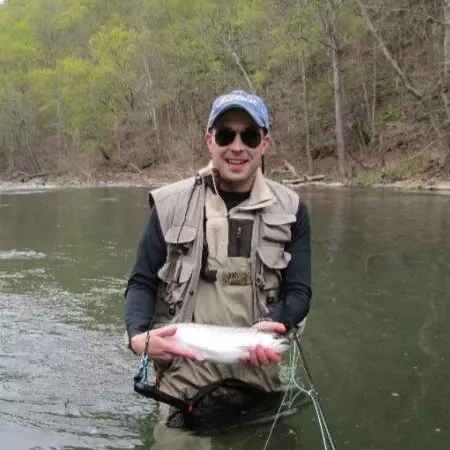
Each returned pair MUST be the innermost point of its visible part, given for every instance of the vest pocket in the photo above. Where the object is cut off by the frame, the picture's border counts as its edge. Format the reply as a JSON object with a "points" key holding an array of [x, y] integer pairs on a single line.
{"points": [[274, 257], [180, 235], [273, 260], [175, 278], [276, 227], [175, 274], [275, 231]]}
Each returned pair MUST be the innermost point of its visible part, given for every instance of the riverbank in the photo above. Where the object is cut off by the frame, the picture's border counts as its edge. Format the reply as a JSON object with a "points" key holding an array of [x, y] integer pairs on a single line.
{"points": [[425, 179], [128, 178]]}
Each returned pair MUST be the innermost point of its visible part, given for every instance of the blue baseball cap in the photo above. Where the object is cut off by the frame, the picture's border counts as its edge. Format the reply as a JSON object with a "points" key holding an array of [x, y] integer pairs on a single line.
{"points": [[250, 103]]}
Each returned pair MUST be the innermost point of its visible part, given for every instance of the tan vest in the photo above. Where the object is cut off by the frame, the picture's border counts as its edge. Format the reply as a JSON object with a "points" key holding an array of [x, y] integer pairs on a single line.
{"points": [[245, 285]]}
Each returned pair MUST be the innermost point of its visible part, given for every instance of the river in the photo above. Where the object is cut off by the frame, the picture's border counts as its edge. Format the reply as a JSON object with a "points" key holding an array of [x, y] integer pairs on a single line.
{"points": [[376, 342]]}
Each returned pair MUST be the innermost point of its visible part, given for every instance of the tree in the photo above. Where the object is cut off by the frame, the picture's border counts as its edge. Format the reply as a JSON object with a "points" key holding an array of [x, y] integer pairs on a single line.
{"points": [[446, 73], [427, 93]]}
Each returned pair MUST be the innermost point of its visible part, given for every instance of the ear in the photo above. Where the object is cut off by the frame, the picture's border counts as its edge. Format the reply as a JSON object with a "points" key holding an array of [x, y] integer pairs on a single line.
{"points": [[209, 140], [265, 144]]}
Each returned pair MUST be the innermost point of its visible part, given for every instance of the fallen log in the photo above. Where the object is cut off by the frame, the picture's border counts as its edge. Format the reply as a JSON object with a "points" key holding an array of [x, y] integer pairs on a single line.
{"points": [[279, 172], [305, 179], [31, 176], [134, 167]]}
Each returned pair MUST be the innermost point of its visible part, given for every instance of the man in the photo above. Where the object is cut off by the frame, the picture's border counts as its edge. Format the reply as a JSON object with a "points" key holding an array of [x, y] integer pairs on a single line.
{"points": [[226, 247]]}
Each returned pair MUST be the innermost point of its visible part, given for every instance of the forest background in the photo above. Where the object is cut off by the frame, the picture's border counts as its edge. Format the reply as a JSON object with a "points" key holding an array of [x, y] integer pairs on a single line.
{"points": [[102, 89]]}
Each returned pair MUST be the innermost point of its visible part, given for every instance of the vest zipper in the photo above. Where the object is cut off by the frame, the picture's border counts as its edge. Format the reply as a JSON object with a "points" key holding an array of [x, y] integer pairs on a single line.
{"points": [[238, 238]]}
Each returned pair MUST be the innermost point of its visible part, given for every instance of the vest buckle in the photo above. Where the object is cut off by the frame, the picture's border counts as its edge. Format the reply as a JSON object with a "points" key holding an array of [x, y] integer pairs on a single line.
{"points": [[270, 300]]}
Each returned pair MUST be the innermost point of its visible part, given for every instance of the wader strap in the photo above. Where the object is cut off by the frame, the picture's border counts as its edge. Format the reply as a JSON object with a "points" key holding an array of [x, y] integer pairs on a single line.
{"points": [[153, 391], [230, 383], [205, 273]]}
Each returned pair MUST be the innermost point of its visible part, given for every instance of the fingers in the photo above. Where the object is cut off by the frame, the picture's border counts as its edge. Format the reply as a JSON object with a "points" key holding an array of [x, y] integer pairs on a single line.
{"points": [[278, 327], [176, 350], [159, 346], [162, 347], [253, 358], [275, 327], [165, 331], [273, 357], [261, 356]]}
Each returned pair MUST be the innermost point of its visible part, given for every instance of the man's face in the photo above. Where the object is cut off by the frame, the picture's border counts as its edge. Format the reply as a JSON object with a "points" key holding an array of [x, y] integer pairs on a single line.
{"points": [[236, 161]]}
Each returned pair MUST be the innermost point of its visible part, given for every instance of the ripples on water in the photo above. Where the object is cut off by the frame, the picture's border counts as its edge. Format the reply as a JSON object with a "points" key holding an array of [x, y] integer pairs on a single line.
{"points": [[65, 375], [21, 254], [377, 338]]}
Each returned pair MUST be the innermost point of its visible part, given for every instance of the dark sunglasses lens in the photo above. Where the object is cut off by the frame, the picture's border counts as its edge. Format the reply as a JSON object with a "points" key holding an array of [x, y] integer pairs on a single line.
{"points": [[251, 137], [224, 136]]}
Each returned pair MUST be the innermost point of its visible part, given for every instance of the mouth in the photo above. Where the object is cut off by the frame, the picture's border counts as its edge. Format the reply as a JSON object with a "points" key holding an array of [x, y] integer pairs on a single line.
{"points": [[236, 162], [282, 343]]}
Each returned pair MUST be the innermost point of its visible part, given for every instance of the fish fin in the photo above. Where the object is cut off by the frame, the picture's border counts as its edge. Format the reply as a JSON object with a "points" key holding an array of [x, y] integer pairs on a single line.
{"points": [[244, 349], [200, 357]]}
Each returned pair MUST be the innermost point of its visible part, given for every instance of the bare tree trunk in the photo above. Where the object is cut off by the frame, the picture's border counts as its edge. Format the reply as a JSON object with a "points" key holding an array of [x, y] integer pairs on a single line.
{"points": [[409, 87], [374, 94], [445, 91], [150, 98], [33, 159], [447, 43], [337, 81], [168, 114], [242, 69], [371, 103], [386, 52], [10, 166], [306, 117], [58, 122]]}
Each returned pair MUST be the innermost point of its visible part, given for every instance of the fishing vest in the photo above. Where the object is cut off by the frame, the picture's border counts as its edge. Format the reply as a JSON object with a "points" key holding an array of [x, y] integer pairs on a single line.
{"points": [[231, 278], [271, 209]]}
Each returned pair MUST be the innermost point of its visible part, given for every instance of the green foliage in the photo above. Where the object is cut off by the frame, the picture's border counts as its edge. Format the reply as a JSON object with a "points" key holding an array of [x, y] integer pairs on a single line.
{"points": [[113, 47], [19, 49], [396, 172], [136, 77], [351, 24], [389, 113], [81, 87], [44, 92]]}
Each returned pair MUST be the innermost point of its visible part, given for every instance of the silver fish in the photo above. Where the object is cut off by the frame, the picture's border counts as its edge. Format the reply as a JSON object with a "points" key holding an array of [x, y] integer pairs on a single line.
{"points": [[225, 344]]}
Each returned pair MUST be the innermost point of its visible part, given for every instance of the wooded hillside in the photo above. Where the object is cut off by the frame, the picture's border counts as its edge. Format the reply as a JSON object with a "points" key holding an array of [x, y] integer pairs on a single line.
{"points": [[355, 88]]}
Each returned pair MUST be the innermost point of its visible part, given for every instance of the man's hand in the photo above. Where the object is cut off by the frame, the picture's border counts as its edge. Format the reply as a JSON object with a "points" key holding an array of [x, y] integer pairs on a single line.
{"points": [[159, 346], [262, 355]]}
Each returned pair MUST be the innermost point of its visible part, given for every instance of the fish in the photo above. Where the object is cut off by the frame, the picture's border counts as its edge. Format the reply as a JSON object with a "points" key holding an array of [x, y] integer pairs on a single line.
{"points": [[223, 344]]}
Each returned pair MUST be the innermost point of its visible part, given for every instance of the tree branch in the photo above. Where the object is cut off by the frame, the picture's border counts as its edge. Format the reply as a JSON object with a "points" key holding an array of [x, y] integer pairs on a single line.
{"points": [[409, 87], [319, 41], [241, 68]]}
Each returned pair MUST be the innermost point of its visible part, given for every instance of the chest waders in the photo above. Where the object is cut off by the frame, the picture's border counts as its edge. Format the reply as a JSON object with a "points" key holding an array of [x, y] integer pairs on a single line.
{"points": [[224, 277], [226, 295]]}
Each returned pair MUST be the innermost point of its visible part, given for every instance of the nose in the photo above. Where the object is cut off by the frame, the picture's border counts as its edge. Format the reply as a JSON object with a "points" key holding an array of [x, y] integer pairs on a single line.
{"points": [[237, 145]]}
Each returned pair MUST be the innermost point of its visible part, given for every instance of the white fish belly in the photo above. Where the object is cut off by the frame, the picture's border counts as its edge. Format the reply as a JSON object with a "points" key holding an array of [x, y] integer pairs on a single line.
{"points": [[224, 344]]}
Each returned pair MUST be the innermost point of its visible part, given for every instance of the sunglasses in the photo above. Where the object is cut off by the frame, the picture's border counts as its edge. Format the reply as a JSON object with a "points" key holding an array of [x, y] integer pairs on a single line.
{"points": [[251, 137]]}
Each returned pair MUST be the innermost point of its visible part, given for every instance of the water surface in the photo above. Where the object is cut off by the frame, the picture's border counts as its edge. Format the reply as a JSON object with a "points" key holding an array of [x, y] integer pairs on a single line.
{"points": [[377, 338]]}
